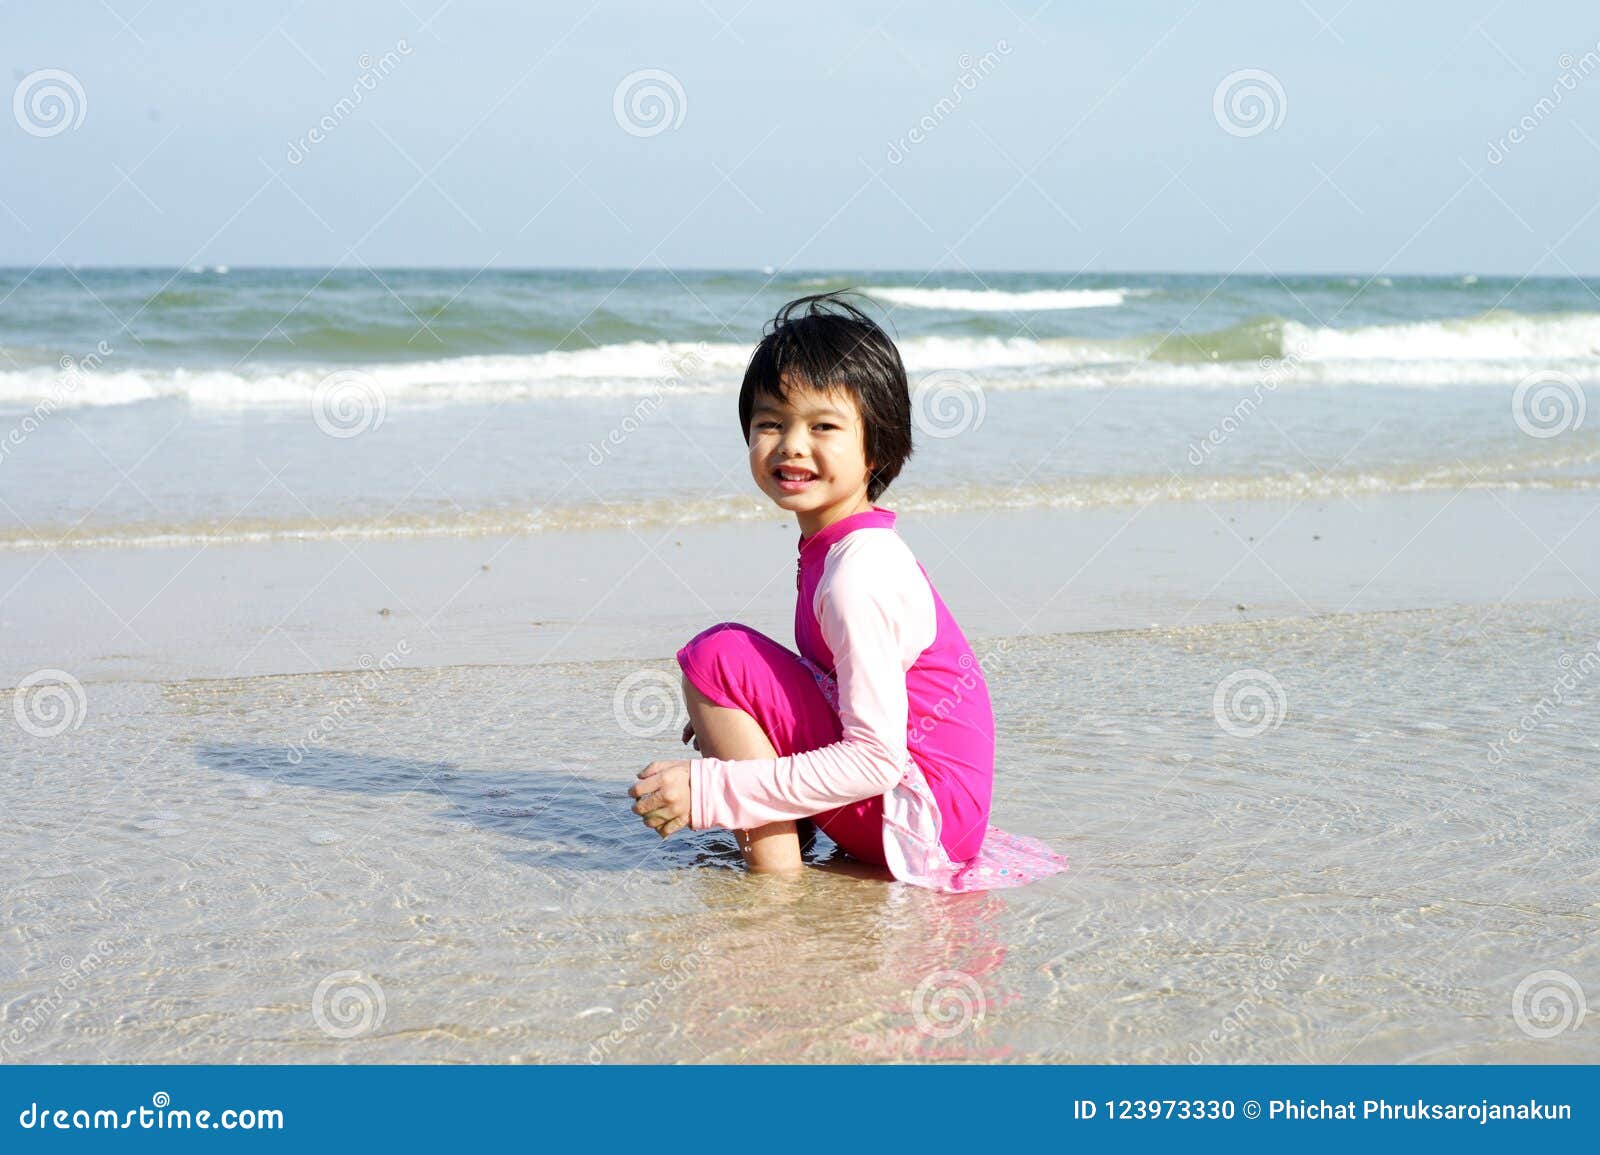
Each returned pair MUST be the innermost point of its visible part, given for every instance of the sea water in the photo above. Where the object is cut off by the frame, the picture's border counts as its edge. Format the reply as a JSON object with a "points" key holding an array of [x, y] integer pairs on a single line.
{"points": [[1341, 859], [190, 405]]}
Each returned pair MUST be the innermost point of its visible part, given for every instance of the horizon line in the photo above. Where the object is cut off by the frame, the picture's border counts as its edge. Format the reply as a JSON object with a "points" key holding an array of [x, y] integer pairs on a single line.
{"points": [[772, 271]]}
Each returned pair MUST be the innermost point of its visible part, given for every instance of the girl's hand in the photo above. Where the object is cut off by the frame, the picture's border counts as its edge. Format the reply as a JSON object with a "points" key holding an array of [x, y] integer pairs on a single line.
{"points": [[663, 795], [688, 734]]}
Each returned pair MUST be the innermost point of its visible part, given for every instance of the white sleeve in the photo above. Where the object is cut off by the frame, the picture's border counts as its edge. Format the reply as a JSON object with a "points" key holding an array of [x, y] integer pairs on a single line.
{"points": [[876, 612]]}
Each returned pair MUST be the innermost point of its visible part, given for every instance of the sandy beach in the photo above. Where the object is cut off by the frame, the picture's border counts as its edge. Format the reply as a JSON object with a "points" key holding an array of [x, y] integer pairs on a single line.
{"points": [[331, 653], [297, 829], [229, 610]]}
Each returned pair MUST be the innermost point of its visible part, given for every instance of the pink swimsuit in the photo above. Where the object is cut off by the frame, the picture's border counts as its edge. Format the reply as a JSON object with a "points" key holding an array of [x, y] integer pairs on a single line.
{"points": [[882, 722]]}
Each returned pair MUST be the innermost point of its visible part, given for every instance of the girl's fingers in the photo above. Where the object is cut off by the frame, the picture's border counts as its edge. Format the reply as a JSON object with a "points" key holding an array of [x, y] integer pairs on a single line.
{"points": [[660, 810], [663, 816], [645, 787], [651, 806], [654, 800]]}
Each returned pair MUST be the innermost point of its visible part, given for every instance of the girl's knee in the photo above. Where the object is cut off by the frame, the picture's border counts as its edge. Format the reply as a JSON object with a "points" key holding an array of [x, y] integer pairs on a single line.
{"points": [[692, 696], [721, 639], [719, 646], [710, 660]]}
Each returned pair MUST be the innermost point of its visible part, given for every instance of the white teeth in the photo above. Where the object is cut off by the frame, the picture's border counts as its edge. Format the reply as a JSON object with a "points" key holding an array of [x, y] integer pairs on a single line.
{"points": [[788, 476]]}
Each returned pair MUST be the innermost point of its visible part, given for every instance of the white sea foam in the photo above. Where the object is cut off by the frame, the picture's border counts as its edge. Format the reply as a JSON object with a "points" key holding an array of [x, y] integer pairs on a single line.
{"points": [[1236, 375], [1496, 336], [1537, 470], [637, 367], [1000, 301], [1496, 349], [1493, 337]]}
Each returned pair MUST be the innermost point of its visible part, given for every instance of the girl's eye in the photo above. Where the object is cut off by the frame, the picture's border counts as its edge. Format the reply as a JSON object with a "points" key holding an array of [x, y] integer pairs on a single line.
{"points": [[766, 424], [825, 426]]}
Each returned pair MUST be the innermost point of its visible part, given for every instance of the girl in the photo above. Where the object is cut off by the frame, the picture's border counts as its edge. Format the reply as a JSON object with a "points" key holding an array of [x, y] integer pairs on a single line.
{"points": [[879, 731]]}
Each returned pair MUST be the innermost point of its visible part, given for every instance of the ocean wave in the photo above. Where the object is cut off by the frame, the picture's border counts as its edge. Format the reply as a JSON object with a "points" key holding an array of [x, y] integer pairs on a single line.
{"points": [[1530, 472], [1494, 349], [1001, 301], [635, 367], [1496, 336], [1271, 373]]}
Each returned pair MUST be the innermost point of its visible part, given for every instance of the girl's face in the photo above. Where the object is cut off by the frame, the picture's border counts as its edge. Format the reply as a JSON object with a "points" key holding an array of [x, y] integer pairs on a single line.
{"points": [[808, 455]]}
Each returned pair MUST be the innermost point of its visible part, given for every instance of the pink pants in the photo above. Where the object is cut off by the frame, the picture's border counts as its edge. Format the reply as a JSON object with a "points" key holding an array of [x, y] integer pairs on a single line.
{"points": [[742, 669]]}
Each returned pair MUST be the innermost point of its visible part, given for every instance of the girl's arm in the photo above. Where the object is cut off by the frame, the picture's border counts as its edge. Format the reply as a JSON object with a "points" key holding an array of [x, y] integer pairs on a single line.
{"points": [[877, 615]]}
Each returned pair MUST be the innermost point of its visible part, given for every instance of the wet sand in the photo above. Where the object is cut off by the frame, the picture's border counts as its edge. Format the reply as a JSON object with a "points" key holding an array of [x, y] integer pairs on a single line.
{"points": [[448, 872], [234, 610], [1292, 839]]}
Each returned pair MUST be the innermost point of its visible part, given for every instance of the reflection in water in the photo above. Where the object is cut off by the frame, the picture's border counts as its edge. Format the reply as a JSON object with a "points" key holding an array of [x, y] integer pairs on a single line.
{"points": [[898, 972], [1358, 882], [917, 969]]}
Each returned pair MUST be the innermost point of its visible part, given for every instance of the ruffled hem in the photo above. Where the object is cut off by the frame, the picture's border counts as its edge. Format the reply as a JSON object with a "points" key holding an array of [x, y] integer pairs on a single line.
{"points": [[912, 828]]}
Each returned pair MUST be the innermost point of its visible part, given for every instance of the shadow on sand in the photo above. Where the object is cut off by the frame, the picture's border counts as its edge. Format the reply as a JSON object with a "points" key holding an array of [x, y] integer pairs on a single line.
{"points": [[567, 822]]}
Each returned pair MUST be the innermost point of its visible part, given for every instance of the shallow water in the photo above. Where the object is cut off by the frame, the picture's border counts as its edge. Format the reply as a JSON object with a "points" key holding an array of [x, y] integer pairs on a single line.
{"points": [[440, 865]]}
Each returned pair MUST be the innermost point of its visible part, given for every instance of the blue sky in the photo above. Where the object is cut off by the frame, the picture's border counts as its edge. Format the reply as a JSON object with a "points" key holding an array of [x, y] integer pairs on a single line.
{"points": [[1085, 137]]}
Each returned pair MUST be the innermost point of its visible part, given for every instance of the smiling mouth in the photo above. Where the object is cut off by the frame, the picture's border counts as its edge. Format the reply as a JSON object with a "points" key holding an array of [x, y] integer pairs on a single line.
{"points": [[794, 480]]}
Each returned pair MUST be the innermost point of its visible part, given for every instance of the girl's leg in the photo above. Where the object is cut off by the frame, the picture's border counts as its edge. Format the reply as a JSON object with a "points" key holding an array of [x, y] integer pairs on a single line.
{"points": [[729, 733]]}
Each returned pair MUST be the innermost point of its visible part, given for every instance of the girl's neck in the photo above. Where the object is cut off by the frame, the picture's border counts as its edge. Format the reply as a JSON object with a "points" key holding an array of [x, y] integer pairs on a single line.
{"points": [[811, 521]]}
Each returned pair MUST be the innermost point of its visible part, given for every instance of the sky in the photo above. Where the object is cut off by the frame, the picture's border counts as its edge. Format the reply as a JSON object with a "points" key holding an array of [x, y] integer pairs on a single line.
{"points": [[982, 136]]}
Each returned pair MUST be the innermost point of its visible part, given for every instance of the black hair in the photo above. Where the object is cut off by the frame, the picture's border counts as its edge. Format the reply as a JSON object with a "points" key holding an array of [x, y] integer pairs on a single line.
{"points": [[824, 342]]}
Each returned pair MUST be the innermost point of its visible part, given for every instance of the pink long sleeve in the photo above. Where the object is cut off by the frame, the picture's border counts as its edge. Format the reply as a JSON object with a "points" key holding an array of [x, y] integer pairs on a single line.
{"points": [[876, 613]]}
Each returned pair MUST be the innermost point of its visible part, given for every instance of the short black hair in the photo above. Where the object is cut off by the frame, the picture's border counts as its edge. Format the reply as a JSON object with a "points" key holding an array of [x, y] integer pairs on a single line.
{"points": [[824, 342]]}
